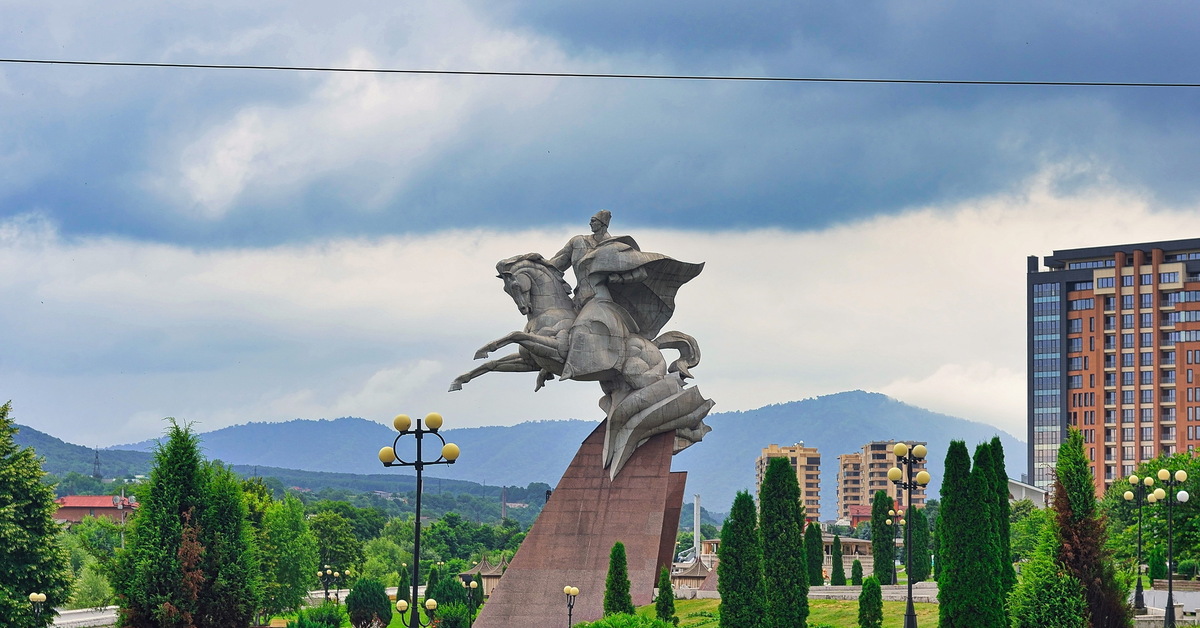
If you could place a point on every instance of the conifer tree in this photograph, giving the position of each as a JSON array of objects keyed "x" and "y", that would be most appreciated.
[
  {"x": 1047, "y": 596},
  {"x": 290, "y": 553},
  {"x": 837, "y": 575},
  {"x": 616, "y": 586},
  {"x": 955, "y": 522},
  {"x": 814, "y": 547},
  {"x": 1082, "y": 536},
  {"x": 856, "y": 573},
  {"x": 1008, "y": 575},
  {"x": 664, "y": 602},
  {"x": 983, "y": 573},
  {"x": 740, "y": 572},
  {"x": 780, "y": 524},
  {"x": 870, "y": 604},
  {"x": 918, "y": 558},
  {"x": 232, "y": 588},
  {"x": 31, "y": 558},
  {"x": 159, "y": 576},
  {"x": 883, "y": 542}
]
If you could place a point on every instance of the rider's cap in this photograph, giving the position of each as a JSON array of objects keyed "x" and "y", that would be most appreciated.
[{"x": 603, "y": 216}]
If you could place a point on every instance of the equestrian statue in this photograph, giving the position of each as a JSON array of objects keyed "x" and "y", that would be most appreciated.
[{"x": 608, "y": 330}]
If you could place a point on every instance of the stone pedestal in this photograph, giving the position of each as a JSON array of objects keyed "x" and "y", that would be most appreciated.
[{"x": 571, "y": 540}]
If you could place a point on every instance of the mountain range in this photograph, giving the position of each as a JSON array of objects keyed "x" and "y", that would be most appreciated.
[{"x": 539, "y": 451}]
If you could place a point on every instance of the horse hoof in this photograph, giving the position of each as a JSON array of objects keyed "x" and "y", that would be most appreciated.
[
  {"x": 481, "y": 354},
  {"x": 455, "y": 386}
]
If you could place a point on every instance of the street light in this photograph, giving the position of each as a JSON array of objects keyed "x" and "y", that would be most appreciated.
[
  {"x": 904, "y": 479},
  {"x": 387, "y": 455},
  {"x": 471, "y": 586},
  {"x": 570, "y": 592},
  {"x": 37, "y": 599},
  {"x": 430, "y": 611},
  {"x": 896, "y": 537},
  {"x": 328, "y": 576},
  {"x": 1139, "y": 492},
  {"x": 1160, "y": 494}
]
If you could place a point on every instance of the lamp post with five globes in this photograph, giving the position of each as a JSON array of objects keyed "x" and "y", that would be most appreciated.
[
  {"x": 906, "y": 480},
  {"x": 1182, "y": 496},
  {"x": 387, "y": 455},
  {"x": 1140, "y": 491},
  {"x": 895, "y": 520}
]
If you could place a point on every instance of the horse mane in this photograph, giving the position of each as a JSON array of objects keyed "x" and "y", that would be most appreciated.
[{"x": 532, "y": 261}]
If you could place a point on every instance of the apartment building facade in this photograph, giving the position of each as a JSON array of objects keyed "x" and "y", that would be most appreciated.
[
  {"x": 806, "y": 462},
  {"x": 863, "y": 473},
  {"x": 1113, "y": 343}
]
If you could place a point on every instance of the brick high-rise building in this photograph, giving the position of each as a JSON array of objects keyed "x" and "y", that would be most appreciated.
[
  {"x": 850, "y": 484},
  {"x": 806, "y": 462},
  {"x": 862, "y": 473},
  {"x": 1113, "y": 334}
]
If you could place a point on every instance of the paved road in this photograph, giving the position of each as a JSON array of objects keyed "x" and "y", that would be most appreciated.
[{"x": 86, "y": 618}]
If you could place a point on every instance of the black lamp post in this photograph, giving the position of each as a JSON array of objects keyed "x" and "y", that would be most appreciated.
[
  {"x": 1161, "y": 494},
  {"x": 387, "y": 455},
  {"x": 1139, "y": 492},
  {"x": 906, "y": 480},
  {"x": 330, "y": 577},
  {"x": 471, "y": 586},
  {"x": 895, "y": 522},
  {"x": 37, "y": 599},
  {"x": 570, "y": 592}
]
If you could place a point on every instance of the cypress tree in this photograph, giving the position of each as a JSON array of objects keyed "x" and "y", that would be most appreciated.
[
  {"x": 232, "y": 588},
  {"x": 954, "y": 523},
  {"x": 781, "y": 519},
  {"x": 814, "y": 546},
  {"x": 664, "y": 602},
  {"x": 740, "y": 572},
  {"x": 1081, "y": 533},
  {"x": 1047, "y": 596},
  {"x": 616, "y": 586},
  {"x": 983, "y": 573},
  {"x": 31, "y": 558},
  {"x": 870, "y": 604},
  {"x": 159, "y": 576},
  {"x": 883, "y": 542},
  {"x": 837, "y": 575},
  {"x": 1008, "y": 575},
  {"x": 856, "y": 573},
  {"x": 919, "y": 560}
]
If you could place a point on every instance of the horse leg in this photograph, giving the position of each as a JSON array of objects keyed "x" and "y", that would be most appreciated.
[
  {"x": 513, "y": 363},
  {"x": 541, "y": 346}
]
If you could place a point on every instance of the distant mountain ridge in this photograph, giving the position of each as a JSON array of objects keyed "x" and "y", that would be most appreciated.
[{"x": 539, "y": 451}]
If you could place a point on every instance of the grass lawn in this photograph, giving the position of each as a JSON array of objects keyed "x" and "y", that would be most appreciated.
[{"x": 821, "y": 614}]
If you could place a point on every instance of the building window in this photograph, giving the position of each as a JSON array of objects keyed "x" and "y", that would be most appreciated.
[
  {"x": 1126, "y": 341},
  {"x": 1147, "y": 319},
  {"x": 1074, "y": 345},
  {"x": 1127, "y": 434},
  {"x": 1147, "y": 452},
  {"x": 1168, "y": 278},
  {"x": 1147, "y": 300},
  {"x": 1147, "y": 377},
  {"x": 1126, "y": 280},
  {"x": 1147, "y": 415},
  {"x": 1127, "y": 415},
  {"x": 1147, "y": 433},
  {"x": 1127, "y": 321},
  {"x": 1127, "y": 359},
  {"x": 1147, "y": 279},
  {"x": 1148, "y": 396},
  {"x": 1074, "y": 325},
  {"x": 1127, "y": 378},
  {"x": 1147, "y": 339},
  {"x": 1147, "y": 358},
  {"x": 1127, "y": 302},
  {"x": 1127, "y": 396},
  {"x": 1106, "y": 282}
]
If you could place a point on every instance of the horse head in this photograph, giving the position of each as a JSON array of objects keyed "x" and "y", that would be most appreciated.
[{"x": 533, "y": 283}]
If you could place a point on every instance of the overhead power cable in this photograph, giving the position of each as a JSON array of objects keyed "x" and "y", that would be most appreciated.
[{"x": 597, "y": 75}]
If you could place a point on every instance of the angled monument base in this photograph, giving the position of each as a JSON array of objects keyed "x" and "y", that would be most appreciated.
[{"x": 571, "y": 540}]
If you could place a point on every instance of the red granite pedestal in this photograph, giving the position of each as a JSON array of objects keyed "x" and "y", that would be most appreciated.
[{"x": 571, "y": 540}]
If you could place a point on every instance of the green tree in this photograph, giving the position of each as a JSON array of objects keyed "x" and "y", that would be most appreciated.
[
  {"x": 289, "y": 552},
  {"x": 982, "y": 574},
  {"x": 616, "y": 586},
  {"x": 1081, "y": 533},
  {"x": 740, "y": 570},
  {"x": 883, "y": 546},
  {"x": 856, "y": 573},
  {"x": 919, "y": 563},
  {"x": 870, "y": 604},
  {"x": 99, "y": 536},
  {"x": 336, "y": 543},
  {"x": 780, "y": 523},
  {"x": 837, "y": 576},
  {"x": 664, "y": 602},
  {"x": 91, "y": 589},
  {"x": 954, "y": 522},
  {"x": 368, "y": 601},
  {"x": 32, "y": 559},
  {"x": 814, "y": 548},
  {"x": 1156, "y": 562},
  {"x": 1047, "y": 595},
  {"x": 1008, "y": 576},
  {"x": 231, "y": 590},
  {"x": 159, "y": 576},
  {"x": 1026, "y": 529}
]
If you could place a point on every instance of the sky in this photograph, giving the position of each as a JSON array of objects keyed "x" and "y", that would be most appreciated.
[{"x": 226, "y": 246}]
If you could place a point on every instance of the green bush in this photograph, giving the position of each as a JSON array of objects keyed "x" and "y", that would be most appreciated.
[
  {"x": 453, "y": 615},
  {"x": 327, "y": 614},
  {"x": 870, "y": 604},
  {"x": 1187, "y": 568},
  {"x": 1156, "y": 559},
  {"x": 624, "y": 620},
  {"x": 366, "y": 601},
  {"x": 856, "y": 573}
]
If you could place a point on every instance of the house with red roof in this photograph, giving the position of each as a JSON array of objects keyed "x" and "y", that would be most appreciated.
[{"x": 73, "y": 508}]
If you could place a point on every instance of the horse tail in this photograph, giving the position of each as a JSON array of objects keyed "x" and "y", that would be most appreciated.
[{"x": 688, "y": 348}]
